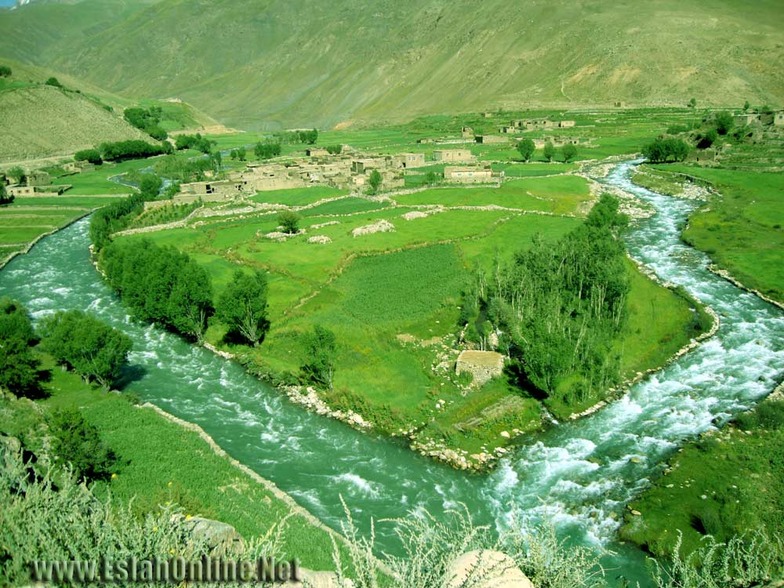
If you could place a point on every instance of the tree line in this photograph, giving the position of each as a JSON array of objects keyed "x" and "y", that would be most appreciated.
[
  {"x": 117, "y": 215},
  {"x": 147, "y": 120},
  {"x": 527, "y": 148},
  {"x": 557, "y": 308},
  {"x": 74, "y": 339}
]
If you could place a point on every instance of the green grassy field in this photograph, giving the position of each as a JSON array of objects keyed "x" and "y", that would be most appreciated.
[
  {"x": 161, "y": 462},
  {"x": 741, "y": 228}
]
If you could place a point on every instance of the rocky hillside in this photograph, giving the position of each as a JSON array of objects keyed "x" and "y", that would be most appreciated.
[{"x": 269, "y": 64}]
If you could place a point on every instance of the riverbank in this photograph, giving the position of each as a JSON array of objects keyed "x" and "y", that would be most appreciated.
[{"x": 163, "y": 459}]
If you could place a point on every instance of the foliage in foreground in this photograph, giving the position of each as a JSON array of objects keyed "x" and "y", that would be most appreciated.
[
  {"x": 745, "y": 561},
  {"x": 431, "y": 545},
  {"x": 50, "y": 516}
]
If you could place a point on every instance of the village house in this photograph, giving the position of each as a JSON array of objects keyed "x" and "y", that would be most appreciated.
[
  {"x": 412, "y": 160},
  {"x": 75, "y": 167},
  {"x": 566, "y": 124},
  {"x": 453, "y": 155},
  {"x": 508, "y": 129},
  {"x": 467, "y": 133},
  {"x": 778, "y": 118},
  {"x": 21, "y": 190},
  {"x": 316, "y": 152},
  {"x": 467, "y": 175},
  {"x": 742, "y": 120},
  {"x": 38, "y": 178},
  {"x": 490, "y": 139}
]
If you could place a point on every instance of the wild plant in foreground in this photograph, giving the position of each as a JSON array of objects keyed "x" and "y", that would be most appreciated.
[{"x": 745, "y": 561}]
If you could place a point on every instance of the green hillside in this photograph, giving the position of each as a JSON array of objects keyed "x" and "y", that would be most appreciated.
[{"x": 255, "y": 64}]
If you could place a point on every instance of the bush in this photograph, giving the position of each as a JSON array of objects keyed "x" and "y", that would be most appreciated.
[
  {"x": 289, "y": 220},
  {"x": 78, "y": 443},
  {"x": 334, "y": 149},
  {"x": 706, "y": 139},
  {"x": 724, "y": 122},
  {"x": 90, "y": 155},
  {"x": 53, "y": 82},
  {"x": 569, "y": 152},
  {"x": 5, "y": 71}
]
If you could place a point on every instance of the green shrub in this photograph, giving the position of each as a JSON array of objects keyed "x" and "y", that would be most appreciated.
[{"x": 78, "y": 443}]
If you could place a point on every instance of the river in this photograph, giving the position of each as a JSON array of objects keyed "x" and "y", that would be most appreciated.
[{"x": 579, "y": 475}]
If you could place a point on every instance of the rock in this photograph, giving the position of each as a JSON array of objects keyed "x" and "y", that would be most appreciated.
[
  {"x": 483, "y": 365},
  {"x": 636, "y": 513},
  {"x": 485, "y": 569},
  {"x": 505, "y": 434},
  {"x": 221, "y": 538},
  {"x": 312, "y": 579}
]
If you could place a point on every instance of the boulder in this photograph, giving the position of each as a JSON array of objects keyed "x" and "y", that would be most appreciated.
[
  {"x": 221, "y": 538},
  {"x": 485, "y": 569},
  {"x": 312, "y": 579}
]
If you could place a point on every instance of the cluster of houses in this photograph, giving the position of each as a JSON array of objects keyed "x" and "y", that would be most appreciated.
[
  {"x": 775, "y": 119},
  {"x": 338, "y": 171},
  {"x": 35, "y": 183}
]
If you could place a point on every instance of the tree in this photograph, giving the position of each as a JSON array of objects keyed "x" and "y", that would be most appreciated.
[
  {"x": 5, "y": 197},
  {"x": 320, "y": 350},
  {"x": 90, "y": 155},
  {"x": 150, "y": 186},
  {"x": 724, "y": 122},
  {"x": 243, "y": 305},
  {"x": 549, "y": 151},
  {"x": 374, "y": 181},
  {"x": 706, "y": 139},
  {"x": 53, "y": 82},
  {"x": 569, "y": 152},
  {"x": 92, "y": 348},
  {"x": 18, "y": 366},
  {"x": 334, "y": 149},
  {"x": 526, "y": 147},
  {"x": 746, "y": 106},
  {"x": 693, "y": 103},
  {"x": 289, "y": 220},
  {"x": 662, "y": 149},
  {"x": 216, "y": 159},
  {"x": 267, "y": 150},
  {"x": 79, "y": 443},
  {"x": 432, "y": 178},
  {"x": 17, "y": 174},
  {"x": 5, "y": 71}
]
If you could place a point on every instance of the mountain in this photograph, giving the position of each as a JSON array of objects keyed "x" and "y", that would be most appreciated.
[
  {"x": 39, "y": 120},
  {"x": 276, "y": 63}
]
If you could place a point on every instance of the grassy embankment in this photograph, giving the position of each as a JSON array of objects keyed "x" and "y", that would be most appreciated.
[
  {"x": 393, "y": 298},
  {"x": 727, "y": 482},
  {"x": 161, "y": 462},
  {"x": 741, "y": 227}
]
